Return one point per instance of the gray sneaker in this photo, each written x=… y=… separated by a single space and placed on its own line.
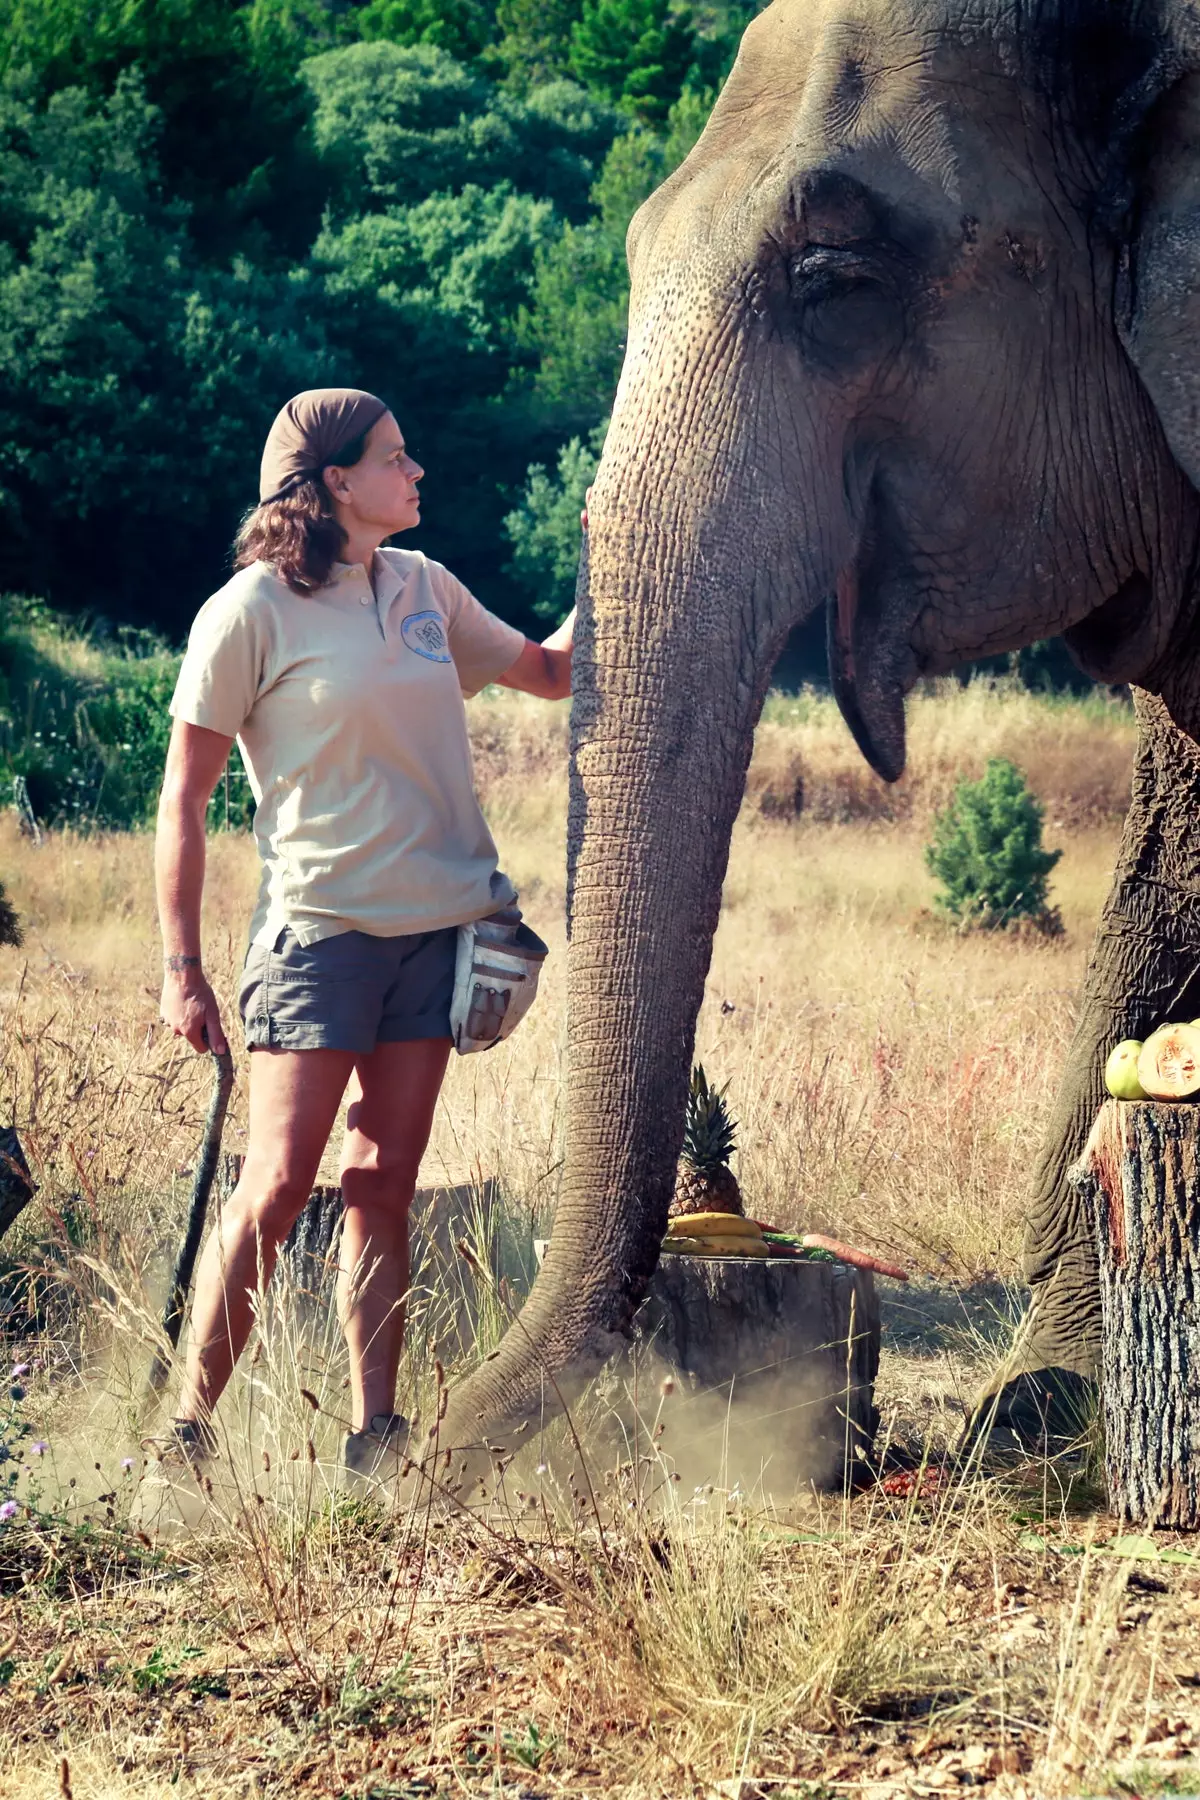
x=377 y=1453
x=187 y=1443
x=175 y=1488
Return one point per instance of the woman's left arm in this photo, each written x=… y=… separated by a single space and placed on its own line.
x=545 y=669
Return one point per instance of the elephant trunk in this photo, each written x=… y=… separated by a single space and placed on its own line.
x=670 y=671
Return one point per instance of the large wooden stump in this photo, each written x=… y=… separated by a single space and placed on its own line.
x=1140 y=1177
x=777 y=1360
x=17 y=1186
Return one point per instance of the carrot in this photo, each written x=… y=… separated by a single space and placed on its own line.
x=859 y=1259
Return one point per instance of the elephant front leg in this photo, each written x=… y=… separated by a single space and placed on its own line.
x=1144 y=969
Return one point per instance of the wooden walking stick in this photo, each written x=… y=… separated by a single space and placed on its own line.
x=206 y=1169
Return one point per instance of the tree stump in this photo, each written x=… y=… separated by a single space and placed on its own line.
x=778 y=1357
x=1140 y=1177
x=17 y=1186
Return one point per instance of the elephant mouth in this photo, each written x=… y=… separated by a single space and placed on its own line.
x=867 y=680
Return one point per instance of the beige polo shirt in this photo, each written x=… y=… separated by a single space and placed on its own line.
x=347 y=706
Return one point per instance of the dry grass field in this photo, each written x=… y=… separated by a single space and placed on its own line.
x=638 y=1635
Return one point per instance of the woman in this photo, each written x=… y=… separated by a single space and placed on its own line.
x=340 y=667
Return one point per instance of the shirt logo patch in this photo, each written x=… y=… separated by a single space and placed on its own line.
x=425 y=633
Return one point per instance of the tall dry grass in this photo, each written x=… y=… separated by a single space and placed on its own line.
x=891 y=1077
x=635 y=1634
x=1074 y=754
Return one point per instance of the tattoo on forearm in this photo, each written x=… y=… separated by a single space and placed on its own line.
x=175 y=964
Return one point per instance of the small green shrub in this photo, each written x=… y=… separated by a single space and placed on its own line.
x=84 y=723
x=987 y=852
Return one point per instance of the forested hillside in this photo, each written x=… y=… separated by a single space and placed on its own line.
x=206 y=207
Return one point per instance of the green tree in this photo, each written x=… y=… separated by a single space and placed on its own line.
x=394 y=124
x=463 y=28
x=544 y=529
x=225 y=82
x=719 y=32
x=446 y=193
x=987 y=852
x=535 y=39
x=378 y=214
x=135 y=384
x=468 y=257
x=635 y=52
x=576 y=319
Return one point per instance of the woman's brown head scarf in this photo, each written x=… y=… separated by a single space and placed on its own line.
x=308 y=434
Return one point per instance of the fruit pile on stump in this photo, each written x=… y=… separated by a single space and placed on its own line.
x=775 y=1338
x=1139 y=1178
x=1165 y=1067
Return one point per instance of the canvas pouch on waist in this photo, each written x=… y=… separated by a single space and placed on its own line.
x=496 y=972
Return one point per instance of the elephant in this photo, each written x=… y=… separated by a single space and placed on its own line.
x=912 y=337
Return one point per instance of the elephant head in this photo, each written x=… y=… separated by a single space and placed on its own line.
x=912 y=337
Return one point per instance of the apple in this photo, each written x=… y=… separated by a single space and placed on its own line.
x=1121 y=1072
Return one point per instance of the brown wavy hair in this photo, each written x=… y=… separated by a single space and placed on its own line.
x=298 y=533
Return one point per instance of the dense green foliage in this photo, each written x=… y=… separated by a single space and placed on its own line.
x=84 y=723
x=987 y=851
x=544 y=529
x=636 y=51
x=205 y=207
x=575 y=324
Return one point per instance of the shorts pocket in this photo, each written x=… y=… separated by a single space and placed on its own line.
x=309 y=997
x=346 y=957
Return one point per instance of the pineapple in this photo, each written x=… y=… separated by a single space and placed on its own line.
x=705 y=1182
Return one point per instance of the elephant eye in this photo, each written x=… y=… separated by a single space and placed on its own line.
x=827 y=268
x=848 y=301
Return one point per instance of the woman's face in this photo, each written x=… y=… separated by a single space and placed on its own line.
x=379 y=491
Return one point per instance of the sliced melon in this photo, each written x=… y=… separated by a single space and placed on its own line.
x=706 y=1224
x=1169 y=1065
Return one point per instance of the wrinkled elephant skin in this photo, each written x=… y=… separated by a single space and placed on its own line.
x=912 y=338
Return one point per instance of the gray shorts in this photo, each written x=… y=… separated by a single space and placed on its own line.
x=348 y=992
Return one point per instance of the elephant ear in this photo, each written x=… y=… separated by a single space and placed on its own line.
x=1159 y=322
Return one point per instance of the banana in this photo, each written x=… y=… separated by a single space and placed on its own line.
x=715 y=1246
x=712 y=1224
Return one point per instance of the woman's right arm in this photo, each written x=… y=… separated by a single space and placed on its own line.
x=194 y=763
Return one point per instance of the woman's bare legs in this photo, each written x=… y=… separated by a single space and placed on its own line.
x=387 y=1129
x=294 y=1100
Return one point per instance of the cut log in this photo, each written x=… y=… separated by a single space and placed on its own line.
x=1139 y=1176
x=775 y=1364
x=17 y=1186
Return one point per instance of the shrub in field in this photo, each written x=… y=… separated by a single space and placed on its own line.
x=84 y=722
x=988 y=855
